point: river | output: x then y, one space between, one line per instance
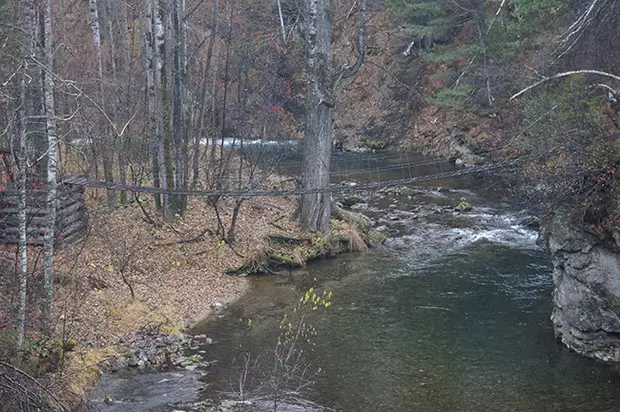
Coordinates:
452 314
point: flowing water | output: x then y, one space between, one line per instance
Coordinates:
452 314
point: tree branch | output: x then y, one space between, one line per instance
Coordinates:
361 41
564 74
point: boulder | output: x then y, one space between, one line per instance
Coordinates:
218 306
586 296
531 222
349 201
464 207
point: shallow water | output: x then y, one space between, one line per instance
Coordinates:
446 317
451 315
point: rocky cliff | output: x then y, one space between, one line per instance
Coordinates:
586 297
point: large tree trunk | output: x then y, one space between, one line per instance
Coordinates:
165 156
316 207
52 165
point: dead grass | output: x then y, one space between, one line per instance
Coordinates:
174 282
354 237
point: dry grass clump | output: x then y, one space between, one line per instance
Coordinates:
353 237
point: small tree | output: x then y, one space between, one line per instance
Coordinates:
284 372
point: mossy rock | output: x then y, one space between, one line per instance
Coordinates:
67 345
372 144
464 207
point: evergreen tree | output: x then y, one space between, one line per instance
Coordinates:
422 18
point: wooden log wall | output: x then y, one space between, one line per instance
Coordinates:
71 217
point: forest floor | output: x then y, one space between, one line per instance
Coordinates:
175 270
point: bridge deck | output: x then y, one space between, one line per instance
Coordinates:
374 185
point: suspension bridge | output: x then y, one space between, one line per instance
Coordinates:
383 173
83 181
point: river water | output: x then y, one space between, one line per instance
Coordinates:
452 314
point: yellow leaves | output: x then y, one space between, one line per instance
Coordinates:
249 322
93 265
109 268
294 329
175 262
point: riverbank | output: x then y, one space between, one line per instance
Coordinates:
134 271
135 275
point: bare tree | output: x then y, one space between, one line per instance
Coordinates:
20 131
154 61
105 148
52 164
19 157
200 130
179 112
323 80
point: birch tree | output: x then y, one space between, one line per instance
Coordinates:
20 132
155 62
27 38
52 164
21 218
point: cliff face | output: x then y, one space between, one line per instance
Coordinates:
586 298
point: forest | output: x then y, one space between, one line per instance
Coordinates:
130 191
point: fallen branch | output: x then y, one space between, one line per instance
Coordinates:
190 240
147 218
274 223
564 74
229 243
36 383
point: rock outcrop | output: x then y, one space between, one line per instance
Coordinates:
586 297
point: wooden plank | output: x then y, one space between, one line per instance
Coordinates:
74 207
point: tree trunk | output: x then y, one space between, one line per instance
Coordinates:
151 90
52 166
21 206
179 202
155 96
121 149
481 27
316 207
203 98
165 153
18 160
106 148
